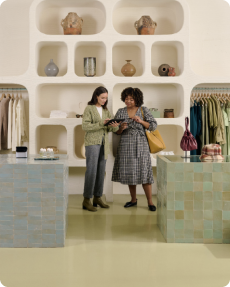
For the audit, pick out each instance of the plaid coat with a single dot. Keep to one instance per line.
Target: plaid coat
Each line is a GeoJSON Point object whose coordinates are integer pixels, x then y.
{"type": "Point", "coordinates": [132, 164]}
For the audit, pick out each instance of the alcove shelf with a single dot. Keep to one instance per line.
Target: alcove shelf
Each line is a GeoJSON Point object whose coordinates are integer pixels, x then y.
{"type": "Point", "coordinates": [134, 51]}
{"type": "Point", "coordinates": [49, 14]}
{"type": "Point", "coordinates": [57, 51]}
{"type": "Point", "coordinates": [160, 96]}
{"type": "Point", "coordinates": [168, 15]}
{"type": "Point", "coordinates": [90, 49]}
{"type": "Point", "coordinates": [167, 52]}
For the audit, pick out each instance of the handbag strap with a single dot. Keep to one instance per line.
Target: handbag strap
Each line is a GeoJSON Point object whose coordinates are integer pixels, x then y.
{"type": "Point", "coordinates": [143, 114]}
{"type": "Point", "coordinates": [186, 123]}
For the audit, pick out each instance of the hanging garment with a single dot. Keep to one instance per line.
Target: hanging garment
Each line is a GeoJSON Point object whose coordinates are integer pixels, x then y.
{"type": "Point", "coordinates": [193, 124]}
{"type": "Point", "coordinates": [206, 125]}
{"type": "Point", "coordinates": [226, 124]}
{"type": "Point", "coordinates": [219, 135]}
{"type": "Point", "coordinates": [10, 120]}
{"type": "Point", "coordinates": [4, 108]}
{"type": "Point", "coordinates": [202, 136]}
{"type": "Point", "coordinates": [210, 119]}
{"type": "Point", "coordinates": [21, 126]}
{"type": "Point", "coordinates": [199, 128]}
{"type": "Point", "coordinates": [14, 134]}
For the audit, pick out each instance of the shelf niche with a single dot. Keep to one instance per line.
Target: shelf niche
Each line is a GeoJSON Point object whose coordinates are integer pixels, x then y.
{"type": "Point", "coordinates": [168, 15]}
{"type": "Point", "coordinates": [79, 136]}
{"type": "Point", "coordinates": [160, 96]}
{"type": "Point", "coordinates": [51, 135]}
{"type": "Point", "coordinates": [72, 98]}
{"type": "Point", "coordinates": [172, 135]}
{"type": "Point", "coordinates": [51, 50]}
{"type": "Point", "coordinates": [50, 13]}
{"type": "Point", "coordinates": [90, 49]}
{"type": "Point", "coordinates": [123, 51]}
{"type": "Point", "coordinates": [171, 53]}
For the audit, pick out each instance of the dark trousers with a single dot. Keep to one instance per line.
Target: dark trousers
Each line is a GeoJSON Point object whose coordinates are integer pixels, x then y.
{"type": "Point", "coordinates": [95, 171]}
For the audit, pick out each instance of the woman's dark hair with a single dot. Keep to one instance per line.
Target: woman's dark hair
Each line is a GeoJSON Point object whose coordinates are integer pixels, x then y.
{"type": "Point", "coordinates": [97, 93]}
{"type": "Point", "coordinates": [135, 93]}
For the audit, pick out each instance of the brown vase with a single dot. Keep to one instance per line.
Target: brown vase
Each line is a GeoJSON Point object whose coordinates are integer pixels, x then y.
{"type": "Point", "coordinates": [72, 24]}
{"type": "Point", "coordinates": [169, 113]}
{"type": "Point", "coordinates": [128, 70]}
{"type": "Point", "coordinates": [145, 26]}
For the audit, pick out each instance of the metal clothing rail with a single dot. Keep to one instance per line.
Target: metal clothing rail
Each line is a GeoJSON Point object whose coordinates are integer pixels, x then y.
{"type": "Point", "coordinates": [12, 89]}
{"type": "Point", "coordinates": [210, 89]}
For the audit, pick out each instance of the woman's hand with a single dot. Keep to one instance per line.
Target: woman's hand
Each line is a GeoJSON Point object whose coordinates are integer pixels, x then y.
{"type": "Point", "coordinates": [114, 124]}
{"type": "Point", "coordinates": [124, 126]}
{"type": "Point", "coordinates": [138, 120]}
{"type": "Point", "coordinates": [106, 121]}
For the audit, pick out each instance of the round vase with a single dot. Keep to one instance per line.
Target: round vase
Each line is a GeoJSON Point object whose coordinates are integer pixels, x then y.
{"type": "Point", "coordinates": [51, 70]}
{"type": "Point", "coordinates": [145, 26]}
{"type": "Point", "coordinates": [72, 24]}
{"type": "Point", "coordinates": [128, 70]}
{"type": "Point", "coordinates": [90, 66]}
{"type": "Point", "coordinates": [163, 70]}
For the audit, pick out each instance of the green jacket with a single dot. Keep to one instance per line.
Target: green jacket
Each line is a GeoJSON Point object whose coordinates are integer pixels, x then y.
{"type": "Point", "coordinates": [94, 127]}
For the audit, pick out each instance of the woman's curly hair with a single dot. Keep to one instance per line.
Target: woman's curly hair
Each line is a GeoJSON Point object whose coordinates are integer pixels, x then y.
{"type": "Point", "coordinates": [135, 93]}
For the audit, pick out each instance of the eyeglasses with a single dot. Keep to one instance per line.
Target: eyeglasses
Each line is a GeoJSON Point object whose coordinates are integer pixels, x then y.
{"type": "Point", "coordinates": [79, 116]}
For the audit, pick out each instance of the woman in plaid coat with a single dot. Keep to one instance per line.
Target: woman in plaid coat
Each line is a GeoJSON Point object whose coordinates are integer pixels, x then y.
{"type": "Point", "coordinates": [133, 163]}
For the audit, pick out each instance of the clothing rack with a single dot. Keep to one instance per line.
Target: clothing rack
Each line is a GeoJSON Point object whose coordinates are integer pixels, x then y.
{"type": "Point", "coordinates": [204, 93]}
{"type": "Point", "coordinates": [12, 89]}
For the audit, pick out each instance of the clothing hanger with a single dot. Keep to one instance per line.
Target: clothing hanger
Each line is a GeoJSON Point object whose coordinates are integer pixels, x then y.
{"type": "Point", "coordinates": [12, 96]}
{"type": "Point", "coordinates": [17, 97]}
{"type": "Point", "coordinates": [20, 96]}
{"type": "Point", "coordinates": [3, 95]}
{"type": "Point", "coordinates": [8, 96]}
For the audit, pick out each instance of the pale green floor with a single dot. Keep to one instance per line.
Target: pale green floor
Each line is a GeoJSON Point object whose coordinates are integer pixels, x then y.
{"type": "Point", "coordinates": [116, 247]}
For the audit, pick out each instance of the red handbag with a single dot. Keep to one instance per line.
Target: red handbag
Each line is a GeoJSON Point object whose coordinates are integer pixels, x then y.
{"type": "Point", "coordinates": [188, 141]}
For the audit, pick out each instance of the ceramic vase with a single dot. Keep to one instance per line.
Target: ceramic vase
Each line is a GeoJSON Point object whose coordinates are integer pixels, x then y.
{"type": "Point", "coordinates": [145, 26]}
{"type": "Point", "coordinates": [128, 70]}
{"type": "Point", "coordinates": [51, 70]}
{"type": "Point", "coordinates": [163, 70]}
{"type": "Point", "coordinates": [72, 24]}
{"type": "Point", "coordinates": [90, 66]}
{"type": "Point", "coordinates": [171, 72]}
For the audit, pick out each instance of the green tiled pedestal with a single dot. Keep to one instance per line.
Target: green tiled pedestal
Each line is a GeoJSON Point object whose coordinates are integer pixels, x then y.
{"type": "Point", "coordinates": [33, 202]}
{"type": "Point", "coordinates": [193, 201]}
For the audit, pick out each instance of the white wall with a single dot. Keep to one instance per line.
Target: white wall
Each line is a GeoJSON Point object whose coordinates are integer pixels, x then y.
{"type": "Point", "coordinates": [209, 48]}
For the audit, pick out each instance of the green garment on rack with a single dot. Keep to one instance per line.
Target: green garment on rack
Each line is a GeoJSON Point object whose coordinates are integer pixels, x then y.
{"type": "Point", "coordinates": [224, 147]}
{"type": "Point", "coordinates": [206, 125]}
{"type": "Point", "coordinates": [219, 132]}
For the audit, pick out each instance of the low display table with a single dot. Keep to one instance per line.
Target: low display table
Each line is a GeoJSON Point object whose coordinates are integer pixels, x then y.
{"type": "Point", "coordinates": [33, 202]}
{"type": "Point", "coordinates": [193, 200]}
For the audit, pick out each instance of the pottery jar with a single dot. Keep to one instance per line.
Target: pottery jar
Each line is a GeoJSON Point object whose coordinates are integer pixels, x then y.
{"type": "Point", "coordinates": [169, 113]}
{"type": "Point", "coordinates": [145, 26]}
{"type": "Point", "coordinates": [163, 70]}
{"type": "Point", "coordinates": [128, 70]}
{"type": "Point", "coordinates": [72, 24]}
{"type": "Point", "coordinates": [171, 72]}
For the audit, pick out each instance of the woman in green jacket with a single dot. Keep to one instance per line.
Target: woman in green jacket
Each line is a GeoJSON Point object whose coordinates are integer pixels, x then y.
{"type": "Point", "coordinates": [95, 116]}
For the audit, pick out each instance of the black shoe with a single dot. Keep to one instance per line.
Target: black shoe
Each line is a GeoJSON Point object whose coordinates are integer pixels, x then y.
{"type": "Point", "coordinates": [152, 208]}
{"type": "Point", "coordinates": [130, 203]}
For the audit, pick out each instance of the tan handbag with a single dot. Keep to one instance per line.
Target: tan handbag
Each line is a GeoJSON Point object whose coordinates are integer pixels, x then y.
{"type": "Point", "coordinates": [156, 143]}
